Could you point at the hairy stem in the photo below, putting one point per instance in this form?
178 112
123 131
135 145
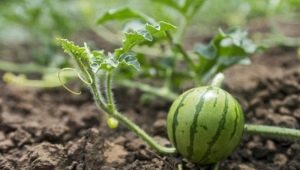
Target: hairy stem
179 48
141 133
123 119
272 131
109 96
95 90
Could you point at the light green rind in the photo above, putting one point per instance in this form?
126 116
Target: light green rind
178 103
217 128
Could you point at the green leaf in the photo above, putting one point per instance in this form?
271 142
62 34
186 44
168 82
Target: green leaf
93 61
123 14
191 7
98 60
170 3
109 63
234 47
225 50
205 51
159 30
85 59
147 34
130 60
72 49
186 8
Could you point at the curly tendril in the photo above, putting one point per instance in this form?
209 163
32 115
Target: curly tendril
87 82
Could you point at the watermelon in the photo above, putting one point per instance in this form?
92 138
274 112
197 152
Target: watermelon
205 124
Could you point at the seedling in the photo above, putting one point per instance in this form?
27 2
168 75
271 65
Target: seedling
205 124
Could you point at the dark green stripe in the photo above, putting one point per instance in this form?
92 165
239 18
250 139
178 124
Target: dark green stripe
175 121
203 126
193 128
216 99
218 132
235 121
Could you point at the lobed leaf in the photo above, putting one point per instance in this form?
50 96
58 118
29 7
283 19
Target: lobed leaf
147 34
109 63
95 58
130 60
72 49
93 61
123 14
170 3
225 50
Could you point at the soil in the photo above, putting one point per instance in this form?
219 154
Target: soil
53 129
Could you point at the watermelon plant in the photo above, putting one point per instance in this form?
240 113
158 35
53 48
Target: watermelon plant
169 54
163 57
204 124
160 55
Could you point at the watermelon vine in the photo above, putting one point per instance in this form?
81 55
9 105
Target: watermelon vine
205 124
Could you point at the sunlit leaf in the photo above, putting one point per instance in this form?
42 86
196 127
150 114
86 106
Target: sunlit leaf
170 3
72 49
123 14
93 61
95 58
147 34
130 60
109 63
225 50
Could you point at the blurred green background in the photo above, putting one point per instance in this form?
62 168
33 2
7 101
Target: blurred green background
28 28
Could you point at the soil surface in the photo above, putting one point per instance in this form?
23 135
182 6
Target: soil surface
53 129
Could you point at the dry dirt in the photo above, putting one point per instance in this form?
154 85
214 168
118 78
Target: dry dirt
53 129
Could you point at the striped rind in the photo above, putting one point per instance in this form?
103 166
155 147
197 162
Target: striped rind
205 124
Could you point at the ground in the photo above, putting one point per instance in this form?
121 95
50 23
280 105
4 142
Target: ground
53 129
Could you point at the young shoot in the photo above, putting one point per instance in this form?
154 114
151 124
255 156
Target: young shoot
90 63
